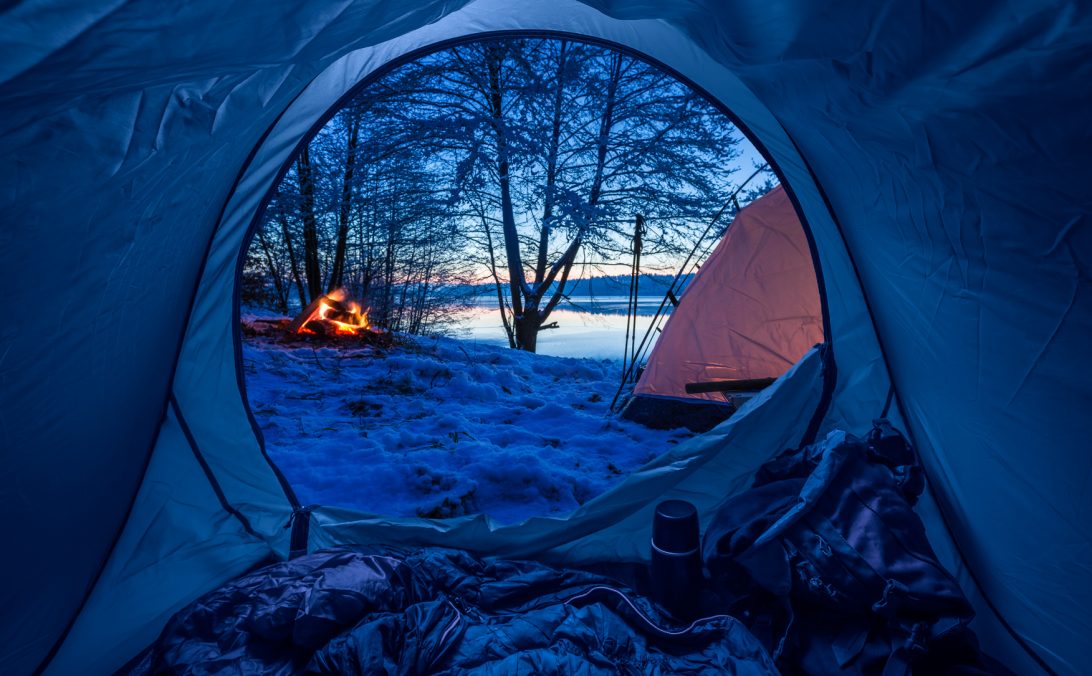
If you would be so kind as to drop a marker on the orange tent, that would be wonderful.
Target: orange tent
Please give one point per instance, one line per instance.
(751, 311)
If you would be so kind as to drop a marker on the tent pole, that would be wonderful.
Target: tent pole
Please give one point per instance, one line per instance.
(629, 342)
(637, 245)
(629, 307)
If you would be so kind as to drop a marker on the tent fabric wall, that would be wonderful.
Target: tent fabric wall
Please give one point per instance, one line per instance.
(937, 152)
(956, 167)
(177, 544)
(751, 311)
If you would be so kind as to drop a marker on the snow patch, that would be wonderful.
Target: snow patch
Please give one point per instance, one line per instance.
(439, 427)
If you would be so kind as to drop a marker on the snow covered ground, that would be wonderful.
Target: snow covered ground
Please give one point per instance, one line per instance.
(439, 427)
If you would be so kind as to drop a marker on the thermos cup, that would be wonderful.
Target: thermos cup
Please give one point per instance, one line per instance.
(676, 558)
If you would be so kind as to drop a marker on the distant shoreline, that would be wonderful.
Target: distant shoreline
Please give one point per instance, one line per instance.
(594, 287)
(596, 305)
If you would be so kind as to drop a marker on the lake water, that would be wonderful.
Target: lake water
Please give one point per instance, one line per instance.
(587, 327)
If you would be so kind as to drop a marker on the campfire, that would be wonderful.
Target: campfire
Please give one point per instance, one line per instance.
(330, 318)
(331, 315)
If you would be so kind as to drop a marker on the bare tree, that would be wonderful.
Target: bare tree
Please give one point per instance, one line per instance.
(586, 137)
(513, 161)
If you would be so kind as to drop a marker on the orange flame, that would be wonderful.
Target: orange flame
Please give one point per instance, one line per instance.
(349, 322)
(357, 319)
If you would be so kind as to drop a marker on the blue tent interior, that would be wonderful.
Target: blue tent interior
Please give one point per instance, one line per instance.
(938, 153)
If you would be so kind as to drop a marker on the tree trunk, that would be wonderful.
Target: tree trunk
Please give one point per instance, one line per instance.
(497, 283)
(275, 273)
(516, 282)
(565, 263)
(293, 262)
(551, 167)
(310, 228)
(388, 271)
(527, 327)
(337, 274)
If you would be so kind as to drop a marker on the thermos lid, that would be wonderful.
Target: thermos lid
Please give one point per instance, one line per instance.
(675, 527)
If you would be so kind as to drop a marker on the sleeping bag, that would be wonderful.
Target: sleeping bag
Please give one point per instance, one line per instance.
(385, 611)
(823, 560)
(826, 559)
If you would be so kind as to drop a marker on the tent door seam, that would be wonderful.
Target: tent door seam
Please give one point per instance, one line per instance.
(168, 395)
(213, 481)
(44, 664)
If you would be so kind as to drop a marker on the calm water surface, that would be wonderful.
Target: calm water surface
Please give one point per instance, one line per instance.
(587, 327)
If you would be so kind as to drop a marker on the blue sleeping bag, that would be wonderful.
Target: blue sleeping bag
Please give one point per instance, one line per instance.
(827, 562)
(381, 611)
(823, 560)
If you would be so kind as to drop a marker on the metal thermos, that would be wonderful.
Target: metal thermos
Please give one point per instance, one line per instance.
(676, 558)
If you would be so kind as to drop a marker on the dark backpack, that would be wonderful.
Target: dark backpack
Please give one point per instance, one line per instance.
(828, 561)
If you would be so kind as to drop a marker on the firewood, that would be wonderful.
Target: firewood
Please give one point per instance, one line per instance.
(323, 327)
(312, 307)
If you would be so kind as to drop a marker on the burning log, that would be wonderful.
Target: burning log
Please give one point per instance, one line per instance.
(329, 318)
(330, 314)
(321, 331)
(327, 328)
(313, 309)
